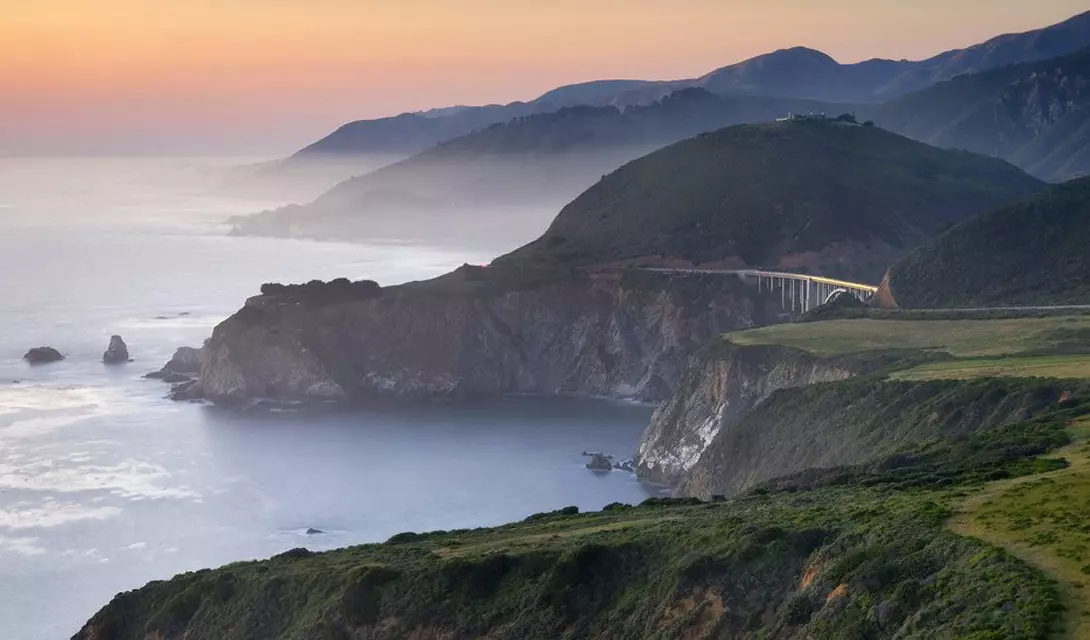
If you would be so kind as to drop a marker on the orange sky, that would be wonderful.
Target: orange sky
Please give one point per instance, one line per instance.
(265, 76)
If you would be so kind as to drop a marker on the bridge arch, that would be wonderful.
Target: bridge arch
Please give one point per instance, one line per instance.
(836, 293)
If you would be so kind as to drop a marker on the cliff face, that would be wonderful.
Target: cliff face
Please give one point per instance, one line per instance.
(721, 385)
(865, 421)
(477, 331)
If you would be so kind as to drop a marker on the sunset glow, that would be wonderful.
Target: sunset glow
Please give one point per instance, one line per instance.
(226, 75)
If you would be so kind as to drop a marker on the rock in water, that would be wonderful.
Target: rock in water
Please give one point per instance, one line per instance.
(599, 462)
(186, 360)
(42, 355)
(117, 352)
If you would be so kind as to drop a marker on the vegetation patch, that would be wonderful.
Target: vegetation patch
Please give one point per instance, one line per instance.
(1069, 366)
(1043, 519)
(958, 338)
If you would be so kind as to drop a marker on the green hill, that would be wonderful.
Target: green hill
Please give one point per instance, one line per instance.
(1035, 115)
(827, 196)
(1032, 253)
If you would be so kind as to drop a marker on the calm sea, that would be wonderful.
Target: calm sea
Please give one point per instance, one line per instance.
(105, 485)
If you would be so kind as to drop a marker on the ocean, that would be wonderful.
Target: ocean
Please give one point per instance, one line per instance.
(106, 485)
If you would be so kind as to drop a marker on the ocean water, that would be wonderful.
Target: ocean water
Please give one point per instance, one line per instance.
(105, 485)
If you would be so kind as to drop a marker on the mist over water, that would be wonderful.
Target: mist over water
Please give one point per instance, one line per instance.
(105, 485)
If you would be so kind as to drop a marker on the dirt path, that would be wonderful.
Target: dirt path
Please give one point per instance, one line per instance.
(1044, 520)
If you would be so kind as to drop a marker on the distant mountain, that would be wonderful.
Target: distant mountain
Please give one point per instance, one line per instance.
(1030, 253)
(832, 197)
(508, 180)
(1037, 115)
(413, 132)
(796, 73)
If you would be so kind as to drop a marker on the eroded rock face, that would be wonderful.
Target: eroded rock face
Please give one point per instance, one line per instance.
(42, 355)
(186, 361)
(723, 382)
(479, 332)
(117, 352)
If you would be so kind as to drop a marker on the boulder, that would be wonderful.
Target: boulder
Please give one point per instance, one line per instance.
(599, 462)
(42, 355)
(117, 352)
(186, 360)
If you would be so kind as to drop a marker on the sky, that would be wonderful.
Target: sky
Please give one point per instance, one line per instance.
(267, 76)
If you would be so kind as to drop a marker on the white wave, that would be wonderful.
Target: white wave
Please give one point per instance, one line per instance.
(129, 479)
(51, 513)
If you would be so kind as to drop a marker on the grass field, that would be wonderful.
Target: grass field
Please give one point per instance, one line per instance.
(1066, 366)
(959, 338)
(1043, 520)
(1049, 347)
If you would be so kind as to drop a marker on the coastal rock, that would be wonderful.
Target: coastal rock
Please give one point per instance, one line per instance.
(477, 332)
(42, 355)
(189, 390)
(186, 360)
(599, 462)
(117, 352)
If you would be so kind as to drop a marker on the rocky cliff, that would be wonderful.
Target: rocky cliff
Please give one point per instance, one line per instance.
(722, 383)
(865, 421)
(475, 332)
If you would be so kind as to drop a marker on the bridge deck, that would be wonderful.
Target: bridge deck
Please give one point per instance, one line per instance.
(800, 276)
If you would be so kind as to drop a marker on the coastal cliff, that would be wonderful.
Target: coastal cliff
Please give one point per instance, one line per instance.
(743, 416)
(865, 421)
(475, 332)
(722, 383)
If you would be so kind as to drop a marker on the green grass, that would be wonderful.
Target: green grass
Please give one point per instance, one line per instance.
(958, 338)
(1044, 520)
(1069, 366)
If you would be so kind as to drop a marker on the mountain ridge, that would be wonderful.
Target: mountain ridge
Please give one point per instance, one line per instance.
(870, 80)
(509, 177)
(1037, 115)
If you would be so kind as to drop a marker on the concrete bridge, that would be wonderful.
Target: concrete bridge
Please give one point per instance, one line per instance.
(798, 292)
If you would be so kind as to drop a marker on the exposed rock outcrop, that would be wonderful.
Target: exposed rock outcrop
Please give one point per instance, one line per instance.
(600, 462)
(117, 352)
(722, 384)
(186, 361)
(478, 332)
(42, 355)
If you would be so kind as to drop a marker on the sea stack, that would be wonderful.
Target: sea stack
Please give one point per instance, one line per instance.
(117, 352)
(42, 355)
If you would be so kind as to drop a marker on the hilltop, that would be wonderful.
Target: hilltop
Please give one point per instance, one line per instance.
(507, 181)
(1031, 253)
(1035, 115)
(834, 197)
